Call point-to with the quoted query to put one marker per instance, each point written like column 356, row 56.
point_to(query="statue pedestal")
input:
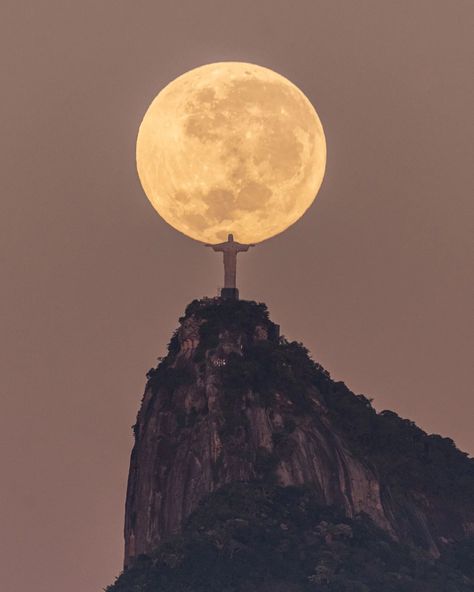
column 230, row 293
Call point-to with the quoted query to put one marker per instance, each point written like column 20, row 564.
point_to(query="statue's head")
column 230, row 238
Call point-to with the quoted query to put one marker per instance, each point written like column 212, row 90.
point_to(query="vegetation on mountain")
column 258, row 537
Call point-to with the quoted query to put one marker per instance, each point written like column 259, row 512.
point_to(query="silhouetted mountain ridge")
column 253, row 470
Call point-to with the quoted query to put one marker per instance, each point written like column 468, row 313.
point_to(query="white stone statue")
column 230, row 250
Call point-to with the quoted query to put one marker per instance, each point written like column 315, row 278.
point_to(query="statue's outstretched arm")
column 242, row 247
column 215, row 247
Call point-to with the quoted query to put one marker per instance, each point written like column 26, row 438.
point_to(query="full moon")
column 233, row 148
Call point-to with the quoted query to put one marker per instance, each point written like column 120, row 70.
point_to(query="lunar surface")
column 233, row 148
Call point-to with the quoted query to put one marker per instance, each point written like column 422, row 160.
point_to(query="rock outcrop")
column 234, row 402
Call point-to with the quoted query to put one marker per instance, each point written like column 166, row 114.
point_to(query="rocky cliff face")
column 234, row 402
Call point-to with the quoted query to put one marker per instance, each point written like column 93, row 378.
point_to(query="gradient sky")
column 376, row 279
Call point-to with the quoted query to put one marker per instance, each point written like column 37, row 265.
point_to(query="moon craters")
column 231, row 147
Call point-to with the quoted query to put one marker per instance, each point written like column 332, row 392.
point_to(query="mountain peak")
column 234, row 402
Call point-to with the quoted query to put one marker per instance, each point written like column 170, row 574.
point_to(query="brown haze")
column 93, row 281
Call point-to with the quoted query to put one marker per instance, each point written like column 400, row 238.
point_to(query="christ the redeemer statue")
column 230, row 250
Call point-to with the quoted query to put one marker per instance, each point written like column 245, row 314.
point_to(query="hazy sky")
column 376, row 279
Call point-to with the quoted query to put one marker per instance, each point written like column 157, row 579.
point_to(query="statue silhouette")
column 230, row 249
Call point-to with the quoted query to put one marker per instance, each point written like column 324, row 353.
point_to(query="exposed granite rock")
column 234, row 402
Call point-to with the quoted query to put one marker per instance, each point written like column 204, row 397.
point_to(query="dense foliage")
column 241, row 316
column 257, row 537
column 403, row 453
